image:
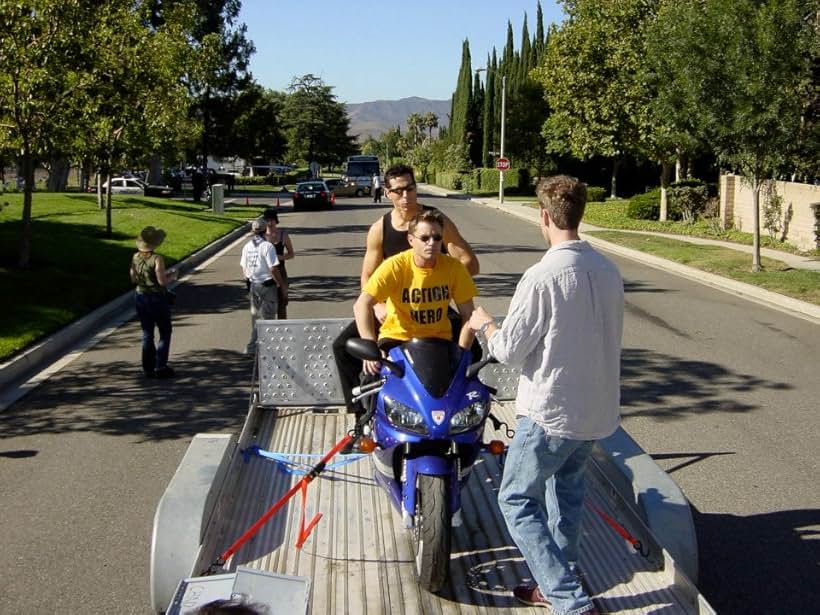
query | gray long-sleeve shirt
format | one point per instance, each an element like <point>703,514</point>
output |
<point>563,330</point>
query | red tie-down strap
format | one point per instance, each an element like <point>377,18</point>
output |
<point>301,485</point>
<point>619,529</point>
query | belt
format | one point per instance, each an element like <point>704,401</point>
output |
<point>269,282</point>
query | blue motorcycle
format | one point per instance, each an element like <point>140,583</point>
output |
<point>427,410</point>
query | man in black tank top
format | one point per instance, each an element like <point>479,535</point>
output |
<point>388,236</point>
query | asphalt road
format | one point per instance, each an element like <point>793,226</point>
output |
<point>722,392</point>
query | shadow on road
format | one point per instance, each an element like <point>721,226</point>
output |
<point>210,394</point>
<point>764,563</point>
<point>660,385</point>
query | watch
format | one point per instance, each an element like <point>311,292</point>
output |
<point>483,328</point>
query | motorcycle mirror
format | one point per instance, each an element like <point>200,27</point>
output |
<point>474,368</point>
<point>368,350</point>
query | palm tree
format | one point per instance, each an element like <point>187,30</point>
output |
<point>430,122</point>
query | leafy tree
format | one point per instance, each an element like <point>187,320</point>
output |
<point>751,87</point>
<point>40,46</point>
<point>461,122</point>
<point>589,76</point>
<point>316,124</point>
<point>218,67</point>
<point>257,127</point>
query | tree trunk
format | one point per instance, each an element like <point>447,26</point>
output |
<point>756,185</point>
<point>155,169</point>
<point>25,236</point>
<point>108,229</point>
<point>58,175</point>
<point>616,164</point>
<point>666,170</point>
<point>100,203</point>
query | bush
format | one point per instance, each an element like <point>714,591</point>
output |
<point>448,179</point>
<point>646,206</point>
<point>687,199</point>
<point>245,180</point>
<point>596,194</point>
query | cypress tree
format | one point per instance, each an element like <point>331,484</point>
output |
<point>488,118</point>
<point>540,39</point>
<point>462,98</point>
<point>525,66</point>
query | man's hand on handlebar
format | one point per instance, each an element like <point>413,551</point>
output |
<point>371,368</point>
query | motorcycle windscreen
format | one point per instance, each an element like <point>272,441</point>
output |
<point>434,362</point>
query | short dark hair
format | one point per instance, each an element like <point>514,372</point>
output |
<point>397,170</point>
<point>270,214</point>
<point>564,198</point>
<point>230,607</point>
<point>430,216</point>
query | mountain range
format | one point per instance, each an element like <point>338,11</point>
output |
<point>372,119</point>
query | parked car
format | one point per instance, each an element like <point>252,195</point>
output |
<point>133,185</point>
<point>313,194</point>
<point>342,187</point>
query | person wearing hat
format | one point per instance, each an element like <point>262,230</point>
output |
<point>281,242</point>
<point>153,304</point>
<point>259,266</point>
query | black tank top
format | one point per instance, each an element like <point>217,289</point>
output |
<point>394,241</point>
<point>279,246</point>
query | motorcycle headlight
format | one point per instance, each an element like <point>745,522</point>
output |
<point>469,417</point>
<point>404,417</point>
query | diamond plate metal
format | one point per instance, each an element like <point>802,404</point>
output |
<point>296,364</point>
<point>297,368</point>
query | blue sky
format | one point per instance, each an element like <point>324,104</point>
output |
<point>381,50</point>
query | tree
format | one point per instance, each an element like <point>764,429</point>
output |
<point>258,131</point>
<point>218,68</point>
<point>316,124</point>
<point>590,79</point>
<point>751,86</point>
<point>39,78</point>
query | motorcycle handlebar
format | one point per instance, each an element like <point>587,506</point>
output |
<point>368,387</point>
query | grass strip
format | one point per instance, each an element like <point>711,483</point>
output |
<point>75,268</point>
<point>776,276</point>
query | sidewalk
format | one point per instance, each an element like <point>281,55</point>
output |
<point>777,301</point>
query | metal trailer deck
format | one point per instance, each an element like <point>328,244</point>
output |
<point>359,557</point>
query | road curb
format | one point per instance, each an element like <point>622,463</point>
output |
<point>21,367</point>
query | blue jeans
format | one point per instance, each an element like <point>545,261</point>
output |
<point>542,498</point>
<point>153,310</point>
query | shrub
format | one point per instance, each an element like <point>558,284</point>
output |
<point>595,194</point>
<point>687,199</point>
<point>646,206</point>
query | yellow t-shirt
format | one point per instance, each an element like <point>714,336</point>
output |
<point>417,298</point>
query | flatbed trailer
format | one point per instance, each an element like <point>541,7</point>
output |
<point>638,547</point>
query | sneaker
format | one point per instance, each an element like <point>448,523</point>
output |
<point>531,595</point>
<point>164,372</point>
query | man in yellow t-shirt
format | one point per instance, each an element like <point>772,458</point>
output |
<point>417,286</point>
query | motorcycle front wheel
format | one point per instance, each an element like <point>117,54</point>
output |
<point>432,532</point>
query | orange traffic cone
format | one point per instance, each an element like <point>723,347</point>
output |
<point>247,202</point>
<point>277,201</point>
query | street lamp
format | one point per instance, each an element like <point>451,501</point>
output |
<point>503,118</point>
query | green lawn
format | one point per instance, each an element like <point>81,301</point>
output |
<point>776,275</point>
<point>74,267</point>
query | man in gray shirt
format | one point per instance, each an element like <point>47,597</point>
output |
<point>563,330</point>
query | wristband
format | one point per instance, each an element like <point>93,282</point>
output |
<point>483,328</point>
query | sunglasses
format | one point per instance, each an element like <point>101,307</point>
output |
<point>426,238</point>
<point>399,189</point>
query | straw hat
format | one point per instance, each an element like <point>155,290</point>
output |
<point>150,239</point>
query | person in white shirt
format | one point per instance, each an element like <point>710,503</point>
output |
<point>376,188</point>
<point>563,329</point>
<point>259,266</point>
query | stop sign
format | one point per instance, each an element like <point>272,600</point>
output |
<point>502,164</point>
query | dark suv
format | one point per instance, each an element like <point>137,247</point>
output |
<point>313,194</point>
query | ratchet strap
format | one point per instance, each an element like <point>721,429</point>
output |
<point>304,532</point>
<point>619,529</point>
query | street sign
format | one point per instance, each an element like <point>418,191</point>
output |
<point>502,164</point>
